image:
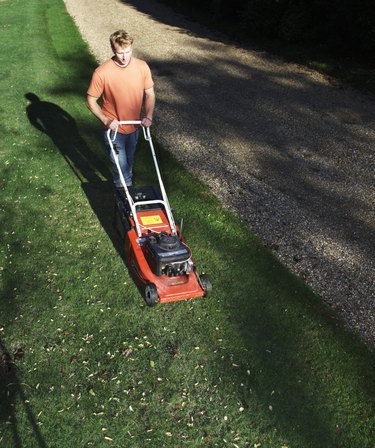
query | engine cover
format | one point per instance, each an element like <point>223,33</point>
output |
<point>167,255</point>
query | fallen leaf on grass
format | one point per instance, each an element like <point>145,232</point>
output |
<point>126,352</point>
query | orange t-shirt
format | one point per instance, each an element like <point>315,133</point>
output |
<point>122,90</point>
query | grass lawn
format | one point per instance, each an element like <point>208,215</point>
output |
<point>261,362</point>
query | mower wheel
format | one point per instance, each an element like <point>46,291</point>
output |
<point>206,284</point>
<point>151,295</point>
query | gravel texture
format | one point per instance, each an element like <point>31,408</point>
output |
<point>290,151</point>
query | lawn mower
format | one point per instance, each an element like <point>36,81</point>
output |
<point>156,254</point>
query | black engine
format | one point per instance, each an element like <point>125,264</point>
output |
<point>167,255</point>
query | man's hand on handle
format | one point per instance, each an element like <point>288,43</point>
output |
<point>146,122</point>
<point>112,125</point>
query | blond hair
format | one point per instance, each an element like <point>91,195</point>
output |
<point>120,37</point>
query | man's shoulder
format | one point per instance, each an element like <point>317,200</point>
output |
<point>139,62</point>
<point>104,67</point>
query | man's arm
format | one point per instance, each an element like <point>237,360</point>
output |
<point>149,106</point>
<point>95,109</point>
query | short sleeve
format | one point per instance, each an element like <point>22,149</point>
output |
<point>148,78</point>
<point>96,86</point>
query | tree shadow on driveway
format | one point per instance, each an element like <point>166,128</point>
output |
<point>289,152</point>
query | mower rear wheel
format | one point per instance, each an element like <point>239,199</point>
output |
<point>206,284</point>
<point>151,295</point>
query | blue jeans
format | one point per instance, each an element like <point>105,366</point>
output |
<point>125,146</point>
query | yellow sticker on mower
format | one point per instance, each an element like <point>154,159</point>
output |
<point>149,220</point>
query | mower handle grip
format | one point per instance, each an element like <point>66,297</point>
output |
<point>130,122</point>
<point>146,131</point>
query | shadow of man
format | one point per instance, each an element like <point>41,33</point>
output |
<point>61,127</point>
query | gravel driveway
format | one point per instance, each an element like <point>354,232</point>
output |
<point>290,152</point>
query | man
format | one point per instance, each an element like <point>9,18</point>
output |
<point>125,85</point>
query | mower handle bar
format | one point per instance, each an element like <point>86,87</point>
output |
<point>133,205</point>
<point>146,131</point>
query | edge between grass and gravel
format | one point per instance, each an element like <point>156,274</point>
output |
<point>261,362</point>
